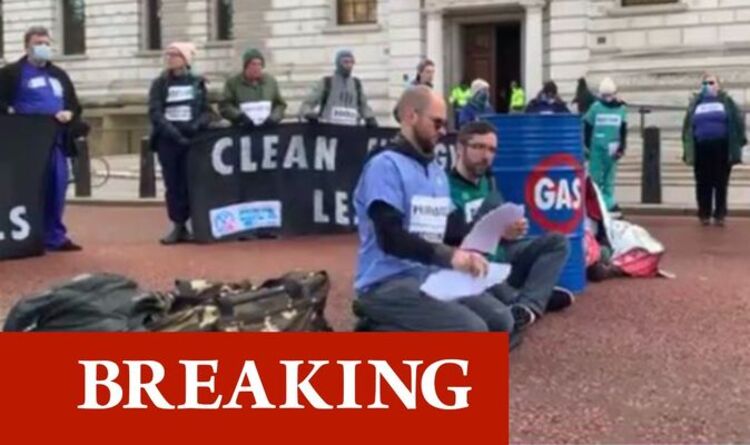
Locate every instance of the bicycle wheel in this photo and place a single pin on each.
(100, 172)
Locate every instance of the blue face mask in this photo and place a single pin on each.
(42, 53)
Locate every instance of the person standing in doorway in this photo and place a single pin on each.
(713, 137)
(517, 98)
(459, 98)
(34, 85)
(478, 105)
(178, 110)
(606, 131)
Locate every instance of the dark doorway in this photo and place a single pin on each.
(493, 53)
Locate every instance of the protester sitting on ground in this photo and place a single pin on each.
(713, 136)
(517, 98)
(537, 263)
(252, 98)
(35, 86)
(478, 105)
(548, 101)
(606, 132)
(339, 99)
(178, 110)
(402, 201)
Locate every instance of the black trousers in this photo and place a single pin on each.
(712, 171)
(173, 160)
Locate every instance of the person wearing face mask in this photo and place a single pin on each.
(606, 130)
(252, 98)
(713, 137)
(178, 110)
(548, 101)
(478, 105)
(34, 85)
(339, 99)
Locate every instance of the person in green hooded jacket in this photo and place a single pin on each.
(252, 98)
(713, 135)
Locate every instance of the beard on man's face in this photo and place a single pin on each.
(426, 142)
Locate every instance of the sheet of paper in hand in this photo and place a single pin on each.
(450, 285)
(487, 232)
(258, 112)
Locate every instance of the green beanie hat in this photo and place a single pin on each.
(251, 54)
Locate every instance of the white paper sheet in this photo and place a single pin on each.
(449, 285)
(258, 112)
(486, 234)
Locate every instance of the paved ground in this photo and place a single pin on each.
(650, 361)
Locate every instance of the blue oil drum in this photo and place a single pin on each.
(540, 163)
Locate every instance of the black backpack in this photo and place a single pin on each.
(328, 85)
(88, 303)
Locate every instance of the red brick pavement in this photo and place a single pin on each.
(635, 361)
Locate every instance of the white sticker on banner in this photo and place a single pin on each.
(57, 88)
(180, 94)
(258, 112)
(429, 217)
(37, 82)
(344, 116)
(180, 113)
(711, 107)
(240, 218)
(608, 120)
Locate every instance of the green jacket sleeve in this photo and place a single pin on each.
(313, 99)
(228, 106)
(279, 104)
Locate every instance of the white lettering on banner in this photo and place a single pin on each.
(18, 219)
(57, 88)
(374, 143)
(296, 155)
(711, 107)
(270, 151)
(240, 218)
(102, 374)
(258, 112)
(429, 217)
(180, 93)
(563, 194)
(341, 209)
(37, 82)
(217, 157)
(445, 155)
(344, 116)
(608, 120)
(179, 113)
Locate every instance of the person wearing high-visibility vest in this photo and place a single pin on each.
(517, 98)
(459, 98)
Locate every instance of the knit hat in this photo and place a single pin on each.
(479, 85)
(342, 54)
(186, 50)
(252, 54)
(607, 87)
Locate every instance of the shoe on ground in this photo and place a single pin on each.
(705, 222)
(522, 316)
(179, 234)
(719, 222)
(560, 299)
(67, 246)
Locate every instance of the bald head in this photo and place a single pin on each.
(422, 113)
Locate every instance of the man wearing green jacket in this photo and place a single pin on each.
(252, 98)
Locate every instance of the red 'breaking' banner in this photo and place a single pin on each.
(255, 388)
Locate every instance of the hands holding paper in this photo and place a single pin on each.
(470, 262)
(517, 230)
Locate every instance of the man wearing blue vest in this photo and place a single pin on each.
(34, 85)
(402, 202)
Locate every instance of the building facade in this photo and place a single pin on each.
(656, 50)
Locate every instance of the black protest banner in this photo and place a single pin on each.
(297, 177)
(25, 143)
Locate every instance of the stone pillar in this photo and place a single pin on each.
(435, 46)
(533, 55)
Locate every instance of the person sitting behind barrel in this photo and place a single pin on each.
(339, 99)
(252, 98)
(402, 201)
(548, 101)
(537, 263)
(178, 110)
(35, 86)
(478, 105)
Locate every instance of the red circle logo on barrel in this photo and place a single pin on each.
(554, 196)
